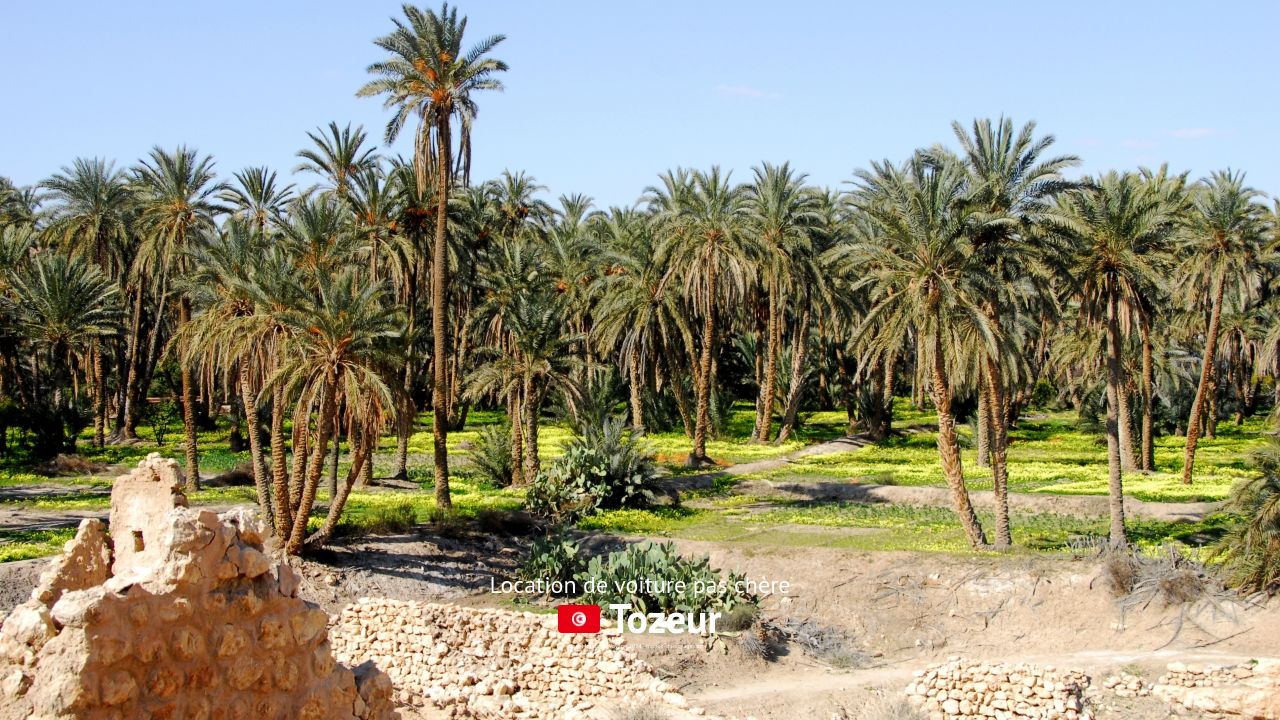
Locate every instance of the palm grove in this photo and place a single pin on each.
(976, 279)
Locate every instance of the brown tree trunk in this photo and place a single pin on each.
(984, 430)
(636, 389)
(531, 408)
(1128, 459)
(249, 399)
(764, 403)
(127, 430)
(1211, 412)
(189, 407)
(998, 437)
(279, 470)
(360, 460)
(1148, 403)
(99, 397)
(949, 451)
(315, 465)
(1206, 383)
(1115, 385)
(676, 382)
(799, 349)
(440, 348)
(886, 395)
(515, 415)
(702, 426)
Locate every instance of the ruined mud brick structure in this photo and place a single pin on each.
(178, 614)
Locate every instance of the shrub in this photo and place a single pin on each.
(491, 455)
(553, 559)
(621, 578)
(1250, 551)
(605, 467)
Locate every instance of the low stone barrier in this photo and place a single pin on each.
(1248, 690)
(486, 663)
(961, 690)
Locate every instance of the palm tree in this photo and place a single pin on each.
(540, 360)
(428, 75)
(222, 286)
(782, 213)
(1222, 246)
(704, 217)
(1010, 192)
(256, 197)
(65, 307)
(1118, 224)
(338, 156)
(335, 353)
(175, 195)
(926, 280)
(91, 219)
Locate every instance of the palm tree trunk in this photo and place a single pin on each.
(949, 450)
(514, 414)
(128, 422)
(996, 418)
(189, 407)
(315, 466)
(984, 429)
(360, 460)
(531, 410)
(1148, 400)
(1206, 382)
(799, 350)
(1211, 412)
(886, 396)
(440, 349)
(676, 382)
(99, 397)
(764, 403)
(279, 471)
(702, 426)
(248, 398)
(1128, 459)
(1115, 384)
(636, 389)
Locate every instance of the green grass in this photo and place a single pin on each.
(1049, 456)
(28, 544)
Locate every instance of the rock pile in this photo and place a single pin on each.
(962, 690)
(1127, 685)
(179, 614)
(484, 663)
(1250, 690)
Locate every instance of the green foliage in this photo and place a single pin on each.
(28, 544)
(620, 578)
(1250, 550)
(491, 455)
(553, 558)
(608, 466)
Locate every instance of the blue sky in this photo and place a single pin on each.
(602, 96)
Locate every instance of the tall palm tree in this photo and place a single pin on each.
(782, 213)
(1011, 187)
(90, 217)
(176, 194)
(1118, 224)
(429, 76)
(926, 280)
(705, 235)
(337, 156)
(1223, 244)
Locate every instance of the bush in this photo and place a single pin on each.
(620, 578)
(605, 467)
(553, 559)
(491, 455)
(1250, 551)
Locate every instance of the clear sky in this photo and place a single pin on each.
(603, 95)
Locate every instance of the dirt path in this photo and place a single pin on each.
(926, 496)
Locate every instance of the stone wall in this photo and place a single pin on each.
(958, 690)
(1248, 690)
(496, 663)
(187, 618)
